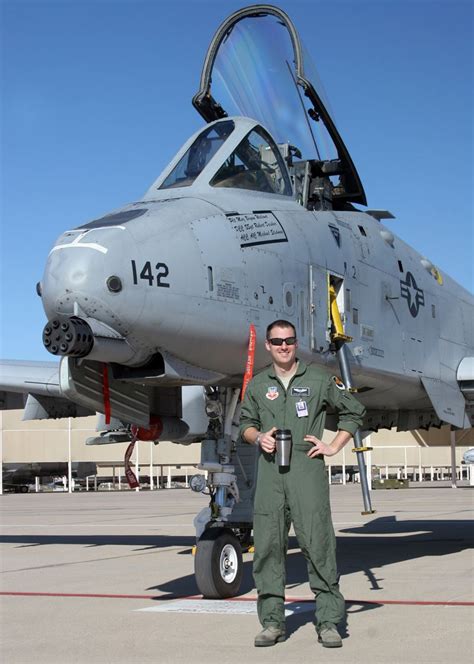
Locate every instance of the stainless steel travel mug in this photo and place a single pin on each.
(283, 446)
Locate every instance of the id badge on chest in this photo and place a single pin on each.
(302, 409)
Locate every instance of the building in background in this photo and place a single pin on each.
(48, 442)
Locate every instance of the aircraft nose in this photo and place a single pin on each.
(87, 273)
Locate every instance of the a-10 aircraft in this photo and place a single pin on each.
(158, 308)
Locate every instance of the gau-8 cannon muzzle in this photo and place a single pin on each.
(75, 337)
(68, 336)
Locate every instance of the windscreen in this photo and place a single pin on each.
(255, 164)
(254, 75)
(197, 157)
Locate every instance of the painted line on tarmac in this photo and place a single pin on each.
(242, 607)
(205, 606)
(288, 600)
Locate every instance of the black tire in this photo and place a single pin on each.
(24, 488)
(218, 564)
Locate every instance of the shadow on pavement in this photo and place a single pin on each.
(381, 542)
(139, 541)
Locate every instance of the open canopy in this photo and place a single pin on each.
(256, 66)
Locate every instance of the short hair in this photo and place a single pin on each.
(280, 323)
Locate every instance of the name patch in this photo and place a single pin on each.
(300, 392)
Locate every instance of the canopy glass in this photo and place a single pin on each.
(253, 75)
(256, 66)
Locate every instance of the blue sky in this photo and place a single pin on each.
(96, 99)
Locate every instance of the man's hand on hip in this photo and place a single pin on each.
(342, 437)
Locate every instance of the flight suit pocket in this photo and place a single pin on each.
(265, 534)
(270, 539)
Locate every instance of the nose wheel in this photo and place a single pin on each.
(218, 563)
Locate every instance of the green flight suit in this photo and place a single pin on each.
(299, 493)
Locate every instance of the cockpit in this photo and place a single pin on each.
(198, 155)
(255, 163)
(257, 78)
(256, 66)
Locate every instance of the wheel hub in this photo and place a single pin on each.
(228, 563)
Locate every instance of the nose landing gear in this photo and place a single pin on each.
(230, 475)
(218, 563)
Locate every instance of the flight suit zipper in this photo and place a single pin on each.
(286, 394)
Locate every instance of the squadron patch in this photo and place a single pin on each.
(272, 393)
(338, 383)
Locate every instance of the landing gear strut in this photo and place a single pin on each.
(218, 559)
(359, 448)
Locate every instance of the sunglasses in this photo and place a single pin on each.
(276, 341)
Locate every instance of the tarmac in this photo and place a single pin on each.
(108, 577)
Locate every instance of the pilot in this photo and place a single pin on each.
(292, 395)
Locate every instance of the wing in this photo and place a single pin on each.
(35, 387)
